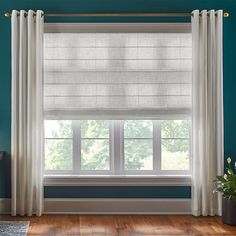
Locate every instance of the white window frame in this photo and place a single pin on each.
(116, 153)
(116, 176)
(76, 154)
(122, 155)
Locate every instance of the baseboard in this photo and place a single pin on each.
(5, 205)
(113, 206)
(117, 206)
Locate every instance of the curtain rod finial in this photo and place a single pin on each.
(7, 14)
(226, 14)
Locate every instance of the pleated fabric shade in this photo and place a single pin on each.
(118, 75)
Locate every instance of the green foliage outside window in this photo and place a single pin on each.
(175, 145)
(138, 152)
(95, 145)
(58, 149)
(138, 145)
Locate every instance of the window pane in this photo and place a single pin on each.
(175, 129)
(58, 129)
(58, 154)
(95, 154)
(138, 155)
(94, 129)
(175, 154)
(138, 129)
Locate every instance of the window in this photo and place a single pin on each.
(175, 145)
(58, 145)
(138, 145)
(144, 147)
(95, 154)
(117, 99)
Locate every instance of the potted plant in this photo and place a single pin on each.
(226, 185)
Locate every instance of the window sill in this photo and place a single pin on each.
(121, 180)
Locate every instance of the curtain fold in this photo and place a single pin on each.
(27, 116)
(207, 110)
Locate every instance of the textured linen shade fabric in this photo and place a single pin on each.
(207, 120)
(118, 75)
(27, 111)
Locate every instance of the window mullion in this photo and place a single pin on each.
(111, 147)
(157, 146)
(117, 147)
(190, 147)
(76, 146)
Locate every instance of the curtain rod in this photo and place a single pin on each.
(165, 14)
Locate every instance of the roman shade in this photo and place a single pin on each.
(117, 73)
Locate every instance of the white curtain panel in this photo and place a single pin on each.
(27, 58)
(207, 110)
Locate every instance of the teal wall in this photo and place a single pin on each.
(117, 192)
(114, 6)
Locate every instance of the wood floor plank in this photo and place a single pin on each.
(124, 225)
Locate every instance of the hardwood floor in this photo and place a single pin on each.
(56, 225)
